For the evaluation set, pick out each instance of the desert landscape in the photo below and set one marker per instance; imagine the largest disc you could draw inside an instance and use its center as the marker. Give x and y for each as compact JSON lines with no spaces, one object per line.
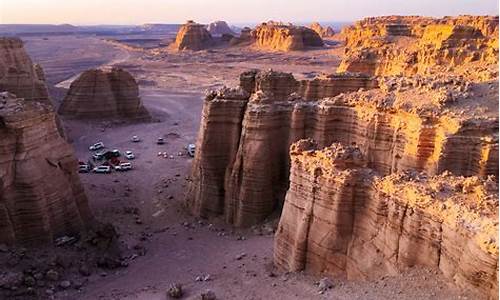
{"x":349,"y":160}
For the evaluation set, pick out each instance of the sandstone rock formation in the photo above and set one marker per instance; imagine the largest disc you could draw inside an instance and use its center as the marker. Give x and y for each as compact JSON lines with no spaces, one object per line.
{"x":245,"y":37}
{"x":41,"y":197}
{"x":193,"y":36}
{"x":244,"y":175}
{"x":18,"y":74}
{"x":281,"y":37}
{"x":340,"y":219}
{"x":323,"y":32}
{"x":219,"y":28}
{"x":104,"y":93}
{"x":412,"y":45}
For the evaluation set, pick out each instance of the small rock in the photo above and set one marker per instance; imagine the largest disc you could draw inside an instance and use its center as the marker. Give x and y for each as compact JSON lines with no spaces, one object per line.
{"x":3,"y":248}
{"x":325,"y":284}
{"x":84,"y":270}
{"x":29,"y":281}
{"x":208,"y":295}
{"x":175,"y":291}
{"x":241,"y":256}
{"x":65,"y":284}
{"x":52,"y":275}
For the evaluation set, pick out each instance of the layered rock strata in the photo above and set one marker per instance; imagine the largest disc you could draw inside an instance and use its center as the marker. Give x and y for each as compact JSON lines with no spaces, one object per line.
{"x":323,"y":32}
{"x":104,"y":93}
{"x":219,"y":28}
{"x":193,"y":36}
{"x":341,"y":219}
{"x":41,"y":197}
{"x":242,"y":167}
{"x":411,"y":45}
{"x":18,"y":74}
{"x":285,"y":37}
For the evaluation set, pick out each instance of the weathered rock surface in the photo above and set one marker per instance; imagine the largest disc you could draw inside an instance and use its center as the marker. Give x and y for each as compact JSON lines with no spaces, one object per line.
{"x":41,"y":197}
{"x":323,"y":32}
{"x":104,"y":93}
{"x":242,"y":167}
{"x":285,"y":37}
{"x":18,"y":74}
{"x":219,"y":28}
{"x":414,"y":45}
{"x":340,"y":219}
{"x":193,"y":36}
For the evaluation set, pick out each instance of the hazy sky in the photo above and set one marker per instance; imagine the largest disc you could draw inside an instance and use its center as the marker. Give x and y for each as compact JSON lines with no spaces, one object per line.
{"x":236,"y":11}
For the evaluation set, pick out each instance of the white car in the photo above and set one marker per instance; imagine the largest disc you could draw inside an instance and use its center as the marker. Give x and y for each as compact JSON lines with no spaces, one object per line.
{"x":191,"y":149}
{"x":129,"y":155}
{"x":124,"y":167}
{"x":102,"y":169}
{"x":96,"y":146}
{"x":136,"y":139}
{"x":84,"y":168}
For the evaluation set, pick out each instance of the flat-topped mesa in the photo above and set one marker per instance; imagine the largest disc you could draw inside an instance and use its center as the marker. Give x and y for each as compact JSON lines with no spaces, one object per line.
{"x":422,"y":46}
{"x":41,"y":197}
{"x":106,"y":93}
{"x":18,"y":74}
{"x":219,"y":28}
{"x":241,"y":167}
{"x":193,"y":36}
{"x":323,"y":32}
{"x":342,"y":220}
{"x":281,"y":37}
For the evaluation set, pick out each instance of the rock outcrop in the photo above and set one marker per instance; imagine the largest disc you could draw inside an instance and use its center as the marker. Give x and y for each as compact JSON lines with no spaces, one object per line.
{"x":193,"y":36}
{"x":323,"y":32}
{"x":244,"y":174}
{"x":340,"y":219}
{"x":219,"y":28}
{"x":41,"y":197}
{"x":18,"y":74}
{"x":285,"y":37}
{"x":106,"y":94}
{"x":412,"y":45}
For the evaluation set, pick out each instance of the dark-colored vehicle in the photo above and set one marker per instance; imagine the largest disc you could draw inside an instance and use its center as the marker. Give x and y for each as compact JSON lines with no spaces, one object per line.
{"x":160,"y":141}
{"x":111,"y":154}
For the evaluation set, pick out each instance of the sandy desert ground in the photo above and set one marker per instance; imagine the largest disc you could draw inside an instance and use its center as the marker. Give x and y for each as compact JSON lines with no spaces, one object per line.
{"x":164,"y":244}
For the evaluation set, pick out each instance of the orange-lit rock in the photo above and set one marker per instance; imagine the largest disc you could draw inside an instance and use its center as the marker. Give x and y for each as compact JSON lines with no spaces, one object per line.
{"x":193,"y":36}
{"x":281,"y":37}
{"x":105,"y":94}
{"x":323,"y":32}
{"x":340,"y":218}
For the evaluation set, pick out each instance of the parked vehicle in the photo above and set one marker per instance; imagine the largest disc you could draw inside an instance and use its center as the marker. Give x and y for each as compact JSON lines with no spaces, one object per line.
{"x":102,"y":169}
{"x":124,"y":167}
{"x":160,"y":141}
{"x":112,"y":153}
{"x":191,"y":149}
{"x":83,"y":168}
{"x":135,"y":139}
{"x":96,"y":146}
{"x":129,"y":155}
{"x":98,"y":156}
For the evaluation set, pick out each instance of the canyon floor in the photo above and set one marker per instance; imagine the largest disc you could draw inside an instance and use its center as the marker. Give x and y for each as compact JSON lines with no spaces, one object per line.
{"x":165,"y":244}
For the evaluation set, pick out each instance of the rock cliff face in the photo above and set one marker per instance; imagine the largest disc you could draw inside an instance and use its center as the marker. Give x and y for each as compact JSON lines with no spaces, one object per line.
{"x":18,"y":74}
{"x":323,"y":32}
{"x":412,"y":45}
{"x":219,"y":28}
{"x":242,"y":167}
{"x":106,"y":94}
{"x":281,"y":37}
{"x":193,"y":36}
{"x":340,"y":219}
{"x":41,"y":197}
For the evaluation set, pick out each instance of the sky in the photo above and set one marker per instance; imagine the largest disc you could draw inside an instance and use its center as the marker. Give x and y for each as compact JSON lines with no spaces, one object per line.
{"x":91,"y":12}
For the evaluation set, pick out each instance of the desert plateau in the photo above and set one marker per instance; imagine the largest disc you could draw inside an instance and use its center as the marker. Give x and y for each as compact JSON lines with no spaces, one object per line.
{"x":262,"y":160}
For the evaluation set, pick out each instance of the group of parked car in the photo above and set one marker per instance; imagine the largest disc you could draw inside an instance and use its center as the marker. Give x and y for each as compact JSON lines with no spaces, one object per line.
{"x":111,"y":158}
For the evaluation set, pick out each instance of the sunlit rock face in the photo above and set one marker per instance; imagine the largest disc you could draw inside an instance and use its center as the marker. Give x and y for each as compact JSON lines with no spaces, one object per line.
{"x":18,"y":74}
{"x":285,"y":37}
{"x":323,"y":32}
{"x":416,"y":45}
{"x":193,"y":36}
{"x":41,"y":197}
{"x":107,"y":93}
{"x":341,"y":219}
